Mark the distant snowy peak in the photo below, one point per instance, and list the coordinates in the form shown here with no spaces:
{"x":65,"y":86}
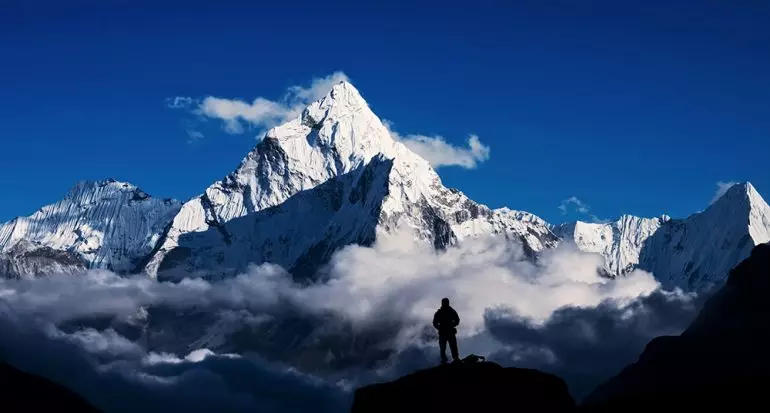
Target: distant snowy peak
{"x":334,"y":136}
{"x":103,"y":224}
{"x":690,"y":253}
{"x":619,"y":242}
{"x":758,"y":211}
{"x":334,"y":176}
{"x":700,"y":250}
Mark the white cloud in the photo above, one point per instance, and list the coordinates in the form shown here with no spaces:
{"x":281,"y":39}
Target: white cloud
{"x":260,"y":112}
{"x":574,"y":203}
{"x":580,"y":206}
{"x":238,"y":115}
{"x":299,"y":96}
{"x":179,"y":102}
{"x":722,"y":187}
{"x":440,"y":153}
{"x":194,"y":135}
{"x":384,"y":295}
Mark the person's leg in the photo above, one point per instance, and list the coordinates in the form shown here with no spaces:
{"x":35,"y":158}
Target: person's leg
{"x":453,"y":347}
{"x":442,"y":347}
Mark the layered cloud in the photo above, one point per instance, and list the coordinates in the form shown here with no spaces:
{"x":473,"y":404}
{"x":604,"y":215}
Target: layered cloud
{"x":586,"y":345}
{"x":368,"y":321}
{"x":118,"y":375}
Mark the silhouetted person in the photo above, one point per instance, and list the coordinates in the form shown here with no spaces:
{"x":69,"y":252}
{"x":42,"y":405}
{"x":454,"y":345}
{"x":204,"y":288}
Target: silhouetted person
{"x":445,"y":320}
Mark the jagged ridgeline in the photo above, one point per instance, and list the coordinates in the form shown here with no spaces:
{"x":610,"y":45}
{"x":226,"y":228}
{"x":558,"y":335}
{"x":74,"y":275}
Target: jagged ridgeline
{"x":335,"y":176}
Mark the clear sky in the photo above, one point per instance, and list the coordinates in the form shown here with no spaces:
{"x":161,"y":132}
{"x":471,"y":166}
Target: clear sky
{"x":636,"y":107}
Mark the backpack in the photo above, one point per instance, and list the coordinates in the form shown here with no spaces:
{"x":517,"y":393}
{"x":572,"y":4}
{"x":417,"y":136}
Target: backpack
{"x":474,"y":359}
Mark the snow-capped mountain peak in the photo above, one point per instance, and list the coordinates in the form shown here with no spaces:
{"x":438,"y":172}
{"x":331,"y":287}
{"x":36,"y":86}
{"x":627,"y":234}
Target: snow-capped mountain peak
{"x":620,"y":242}
{"x":105,"y":224}
{"x":690,"y":253}
{"x":700,"y":250}
{"x":334,"y":176}
{"x":343,"y":100}
{"x":335,"y":136}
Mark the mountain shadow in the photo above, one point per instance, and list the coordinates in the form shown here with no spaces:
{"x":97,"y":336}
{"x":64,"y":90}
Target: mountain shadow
{"x":24,"y":392}
{"x":466,"y":387}
{"x":300,"y":234}
{"x":722,"y":358}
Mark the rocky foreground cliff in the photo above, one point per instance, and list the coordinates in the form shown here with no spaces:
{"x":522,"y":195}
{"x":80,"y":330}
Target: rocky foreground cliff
{"x":721,"y":358}
{"x":466,"y":387}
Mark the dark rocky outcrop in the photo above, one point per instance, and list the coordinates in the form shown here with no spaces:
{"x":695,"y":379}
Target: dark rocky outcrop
{"x":722,"y":358}
{"x":24,"y":392}
{"x":466,"y":387}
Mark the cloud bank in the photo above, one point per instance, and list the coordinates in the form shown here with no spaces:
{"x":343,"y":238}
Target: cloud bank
{"x":118,"y":375}
{"x":239,"y":341}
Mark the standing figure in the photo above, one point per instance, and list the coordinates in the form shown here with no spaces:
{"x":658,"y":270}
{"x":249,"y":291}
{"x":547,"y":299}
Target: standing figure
{"x":445,"y":321}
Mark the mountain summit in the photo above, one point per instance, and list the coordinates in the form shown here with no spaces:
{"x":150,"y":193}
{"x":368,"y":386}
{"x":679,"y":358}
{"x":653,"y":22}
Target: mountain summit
{"x":700,"y":250}
{"x":334,"y":175}
{"x":690,"y":253}
{"x":332,"y":156}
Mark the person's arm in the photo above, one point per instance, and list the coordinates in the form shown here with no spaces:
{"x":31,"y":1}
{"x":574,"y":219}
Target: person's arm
{"x":456,"y":318}
{"x":435,"y":320}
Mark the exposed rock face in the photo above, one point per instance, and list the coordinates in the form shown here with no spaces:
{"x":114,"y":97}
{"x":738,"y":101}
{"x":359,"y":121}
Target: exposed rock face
{"x":28,"y":260}
{"x":24,"y":392}
{"x":722,"y":357}
{"x":467,"y":387}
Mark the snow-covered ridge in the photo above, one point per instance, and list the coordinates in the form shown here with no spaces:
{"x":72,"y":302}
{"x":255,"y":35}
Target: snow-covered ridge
{"x":332,"y":137}
{"x":105,"y":224}
{"x":690,"y":253}
{"x":619,"y":242}
{"x":330,"y":157}
{"x":700,"y":250}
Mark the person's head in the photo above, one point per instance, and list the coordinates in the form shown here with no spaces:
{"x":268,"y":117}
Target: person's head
{"x":445,"y":302}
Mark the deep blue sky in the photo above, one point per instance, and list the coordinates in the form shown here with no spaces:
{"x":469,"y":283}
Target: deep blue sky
{"x":632,"y":106}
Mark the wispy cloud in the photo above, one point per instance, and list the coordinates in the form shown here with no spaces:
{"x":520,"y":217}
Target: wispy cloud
{"x":179,"y":102}
{"x":722,"y":187}
{"x":238,"y":115}
{"x":574,"y":203}
{"x":440,"y":153}
{"x":194,"y":135}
